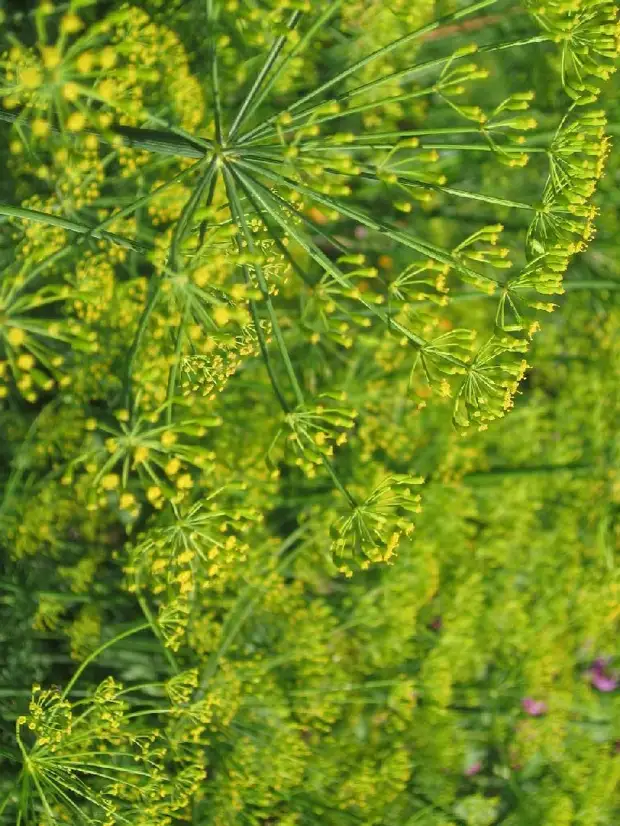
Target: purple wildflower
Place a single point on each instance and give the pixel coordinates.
(470, 771)
(601, 677)
(535, 708)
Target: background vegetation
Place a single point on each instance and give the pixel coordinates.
(309, 402)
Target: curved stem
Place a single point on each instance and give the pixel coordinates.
(93, 656)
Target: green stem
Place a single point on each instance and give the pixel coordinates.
(301, 45)
(153, 295)
(128, 633)
(172, 378)
(264, 288)
(535, 470)
(154, 627)
(190, 208)
(247, 106)
(134, 205)
(149, 140)
(237, 209)
(212, 15)
(395, 234)
(71, 226)
(382, 52)
(341, 488)
(264, 350)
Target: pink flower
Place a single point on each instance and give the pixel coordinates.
(535, 708)
(360, 232)
(470, 771)
(601, 677)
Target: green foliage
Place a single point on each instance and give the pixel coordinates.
(310, 491)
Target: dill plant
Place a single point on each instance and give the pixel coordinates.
(272, 275)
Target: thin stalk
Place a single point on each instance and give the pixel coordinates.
(402, 75)
(308, 149)
(360, 140)
(71, 226)
(535, 470)
(248, 104)
(400, 236)
(323, 261)
(128, 633)
(264, 350)
(154, 627)
(149, 140)
(134, 205)
(319, 23)
(264, 288)
(156, 282)
(151, 301)
(172, 378)
(382, 52)
(338, 484)
(190, 208)
(369, 173)
(212, 14)
(236, 207)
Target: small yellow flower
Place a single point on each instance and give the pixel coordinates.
(168, 438)
(76, 122)
(444, 389)
(239, 291)
(110, 481)
(127, 501)
(31, 77)
(84, 63)
(221, 316)
(50, 56)
(16, 337)
(40, 128)
(140, 454)
(107, 58)
(185, 482)
(107, 89)
(173, 467)
(70, 24)
(153, 494)
(25, 361)
(71, 91)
